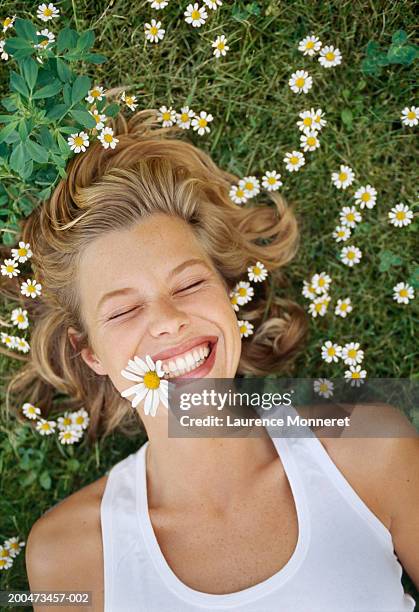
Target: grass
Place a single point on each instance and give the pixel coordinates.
(254, 125)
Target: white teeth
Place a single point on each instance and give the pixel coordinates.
(172, 366)
(190, 361)
(196, 355)
(180, 363)
(201, 351)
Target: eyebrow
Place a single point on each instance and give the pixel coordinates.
(128, 290)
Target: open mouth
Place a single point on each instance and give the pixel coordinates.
(188, 362)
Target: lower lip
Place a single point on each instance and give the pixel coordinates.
(202, 370)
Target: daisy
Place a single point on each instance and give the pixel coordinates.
(343, 307)
(410, 116)
(343, 178)
(213, 4)
(309, 290)
(294, 161)
(403, 293)
(31, 288)
(21, 344)
(8, 23)
(300, 81)
(80, 418)
(195, 15)
(341, 233)
(183, 119)
(153, 31)
(158, 4)
(130, 101)
(306, 120)
(321, 282)
(237, 193)
(331, 351)
(251, 186)
(45, 427)
(366, 196)
(271, 180)
(200, 122)
(79, 141)
(330, 56)
(4, 56)
(220, 47)
(65, 422)
(30, 411)
(309, 140)
(257, 273)
(8, 340)
(13, 546)
(323, 387)
(400, 215)
(350, 216)
(10, 268)
(6, 560)
(22, 253)
(309, 45)
(244, 292)
(107, 138)
(100, 118)
(69, 436)
(318, 118)
(150, 383)
(319, 305)
(245, 328)
(352, 354)
(167, 116)
(354, 374)
(50, 38)
(97, 93)
(47, 12)
(234, 300)
(350, 255)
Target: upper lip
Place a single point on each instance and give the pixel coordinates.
(182, 348)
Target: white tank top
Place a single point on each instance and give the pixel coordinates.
(344, 559)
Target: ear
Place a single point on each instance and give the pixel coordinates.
(87, 354)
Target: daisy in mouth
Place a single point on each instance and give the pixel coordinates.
(150, 384)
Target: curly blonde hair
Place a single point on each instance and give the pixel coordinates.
(150, 170)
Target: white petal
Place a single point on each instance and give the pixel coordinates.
(150, 363)
(155, 404)
(141, 364)
(148, 402)
(139, 397)
(133, 389)
(163, 395)
(130, 376)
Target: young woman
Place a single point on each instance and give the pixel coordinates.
(137, 252)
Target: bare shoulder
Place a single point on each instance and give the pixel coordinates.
(64, 547)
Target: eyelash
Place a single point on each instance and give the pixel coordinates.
(132, 309)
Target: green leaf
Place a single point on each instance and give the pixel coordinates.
(29, 478)
(57, 111)
(370, 66)
(67, 39)
(37, 153)
(84, 118)
(45, 480)
(30, 71)
(63, 70)
(48, 90)
(67, 129)
(9, 103)
(63, 144)
(414, 278)
(347, 117)
(372, 48)
(17, 158)
(80, 88)
(7, 130)
(22, 129)
(17, 44)
(8, 237)
(111, 110)
(401, 54)
(86, 40)
(389, 259)
(25, 29)
(46, 138)
(27, 171)
(7, 118)
(17, 83)
(399, 37)
(95, 58)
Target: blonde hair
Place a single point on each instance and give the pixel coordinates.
(108, 189)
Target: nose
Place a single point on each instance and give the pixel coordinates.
(167, 318)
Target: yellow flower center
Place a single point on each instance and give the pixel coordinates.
(184, 117)
(256, 270)
(97, 117)
(343, 306)
(352, 353)
(330, 56)
(7, 22)
(331, 351)
(403, 293)
(343, 176)
(356, 375)
(44, 43)
(350, 217)
(321, 282)
(400, 215)
(341, 233)
(153, 30)
(129, 100)
(79, 420)
(323, 387)
(319, 306)
(300, 82)
(95, 93)
(243, 329)
(196, 15)
(221, 45)
(166, 116)
(10, 268)
(47, 12)
(294, 160)
(20, 318)
(151, 380)
(249, 186)
(45, 426)
(4, 553)
(242, 291)
(271, 180)
(240, 193)
(307, 121)
(22, 252)
(67, 421)
(31, 289)
(233, 299)
(366, 196)
(350, 255)
(78, 141)
(411, 115)
(108, 137)
(310, 44)
(202, 122)
(311, 141)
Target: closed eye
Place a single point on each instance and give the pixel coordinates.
(191, 286)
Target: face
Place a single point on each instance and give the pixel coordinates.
(153, 290)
